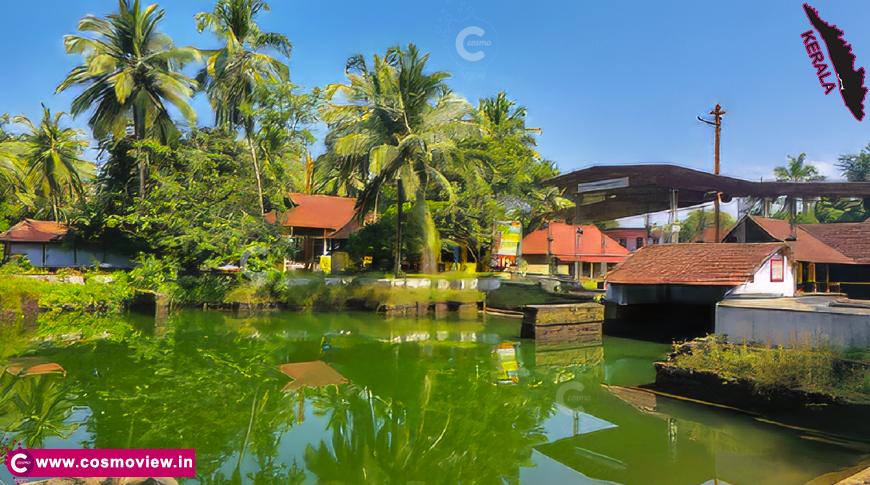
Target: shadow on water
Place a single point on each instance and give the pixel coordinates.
(663, 323)
(434, 401)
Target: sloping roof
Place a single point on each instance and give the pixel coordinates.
(30, 230)
(351, 227)
(591, 246)
(849, 238)
(319, 211)
(708, 235)
(695, 264)
(806, 247)
(311, 374)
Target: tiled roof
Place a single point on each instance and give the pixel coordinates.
(351, 227)
(695, 264)
(319, 211)
(806, 247)
(850, 238)
(30, 230)
(568, 245)
(708, 235)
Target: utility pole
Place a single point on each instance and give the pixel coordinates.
(717, 113)
(400, 195)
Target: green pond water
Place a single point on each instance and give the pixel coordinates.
(430, 401)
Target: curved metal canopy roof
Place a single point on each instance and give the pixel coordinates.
(614, 191)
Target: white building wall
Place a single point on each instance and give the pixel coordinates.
(58, 256)
(762, 284)
(33, 251)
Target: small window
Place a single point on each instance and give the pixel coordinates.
(622, 241)
(777, 269)
(639, 242)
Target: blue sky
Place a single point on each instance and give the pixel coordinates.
(608, 82)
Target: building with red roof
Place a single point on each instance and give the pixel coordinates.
(580, 251)
(49, 244)
(320, 223)
(701, 273)
(831, 257)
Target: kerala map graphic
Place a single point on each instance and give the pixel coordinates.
(851, 81)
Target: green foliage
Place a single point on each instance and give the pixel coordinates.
(798, 170)
(92, 308)
(151, 273)
(232, 73)
(496, 176)
(378, 240)
(50, 156)
(286, 119)
(19, 264)
(856, 168)
(799, 367)
(202, 289)
(130, 67)
(842, 210)
(398, 122)
(202, 211)
(699, 220)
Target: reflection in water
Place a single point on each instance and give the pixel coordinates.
(424, 404)
(34, 408)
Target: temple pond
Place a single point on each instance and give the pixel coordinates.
(429, 401)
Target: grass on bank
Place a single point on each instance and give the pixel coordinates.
(824, 369)
(92, 308)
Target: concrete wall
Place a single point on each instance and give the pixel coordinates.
(787, 327)
(761, 283)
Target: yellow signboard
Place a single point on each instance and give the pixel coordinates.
(326, 264)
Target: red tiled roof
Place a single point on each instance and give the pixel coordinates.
(351, 227)
(591, 246)
(806, 247)
(778, 228)
(30, 230)
(708, 235)
(319, 211)
(849, 238)
(695, 264)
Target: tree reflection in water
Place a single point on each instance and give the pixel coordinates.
(36, 407)
(429, 411)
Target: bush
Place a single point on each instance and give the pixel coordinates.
(19, 264)
(820, 369)
(200, 289)
(151, 273)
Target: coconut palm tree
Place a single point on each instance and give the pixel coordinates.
(400, 123)
(798, 170)
(232, 73)
(11, 170)
(131, 71)
(51, 157)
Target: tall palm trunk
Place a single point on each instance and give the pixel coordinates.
(431, 242)
(256, 171)
(53, 198)
(139, 129)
